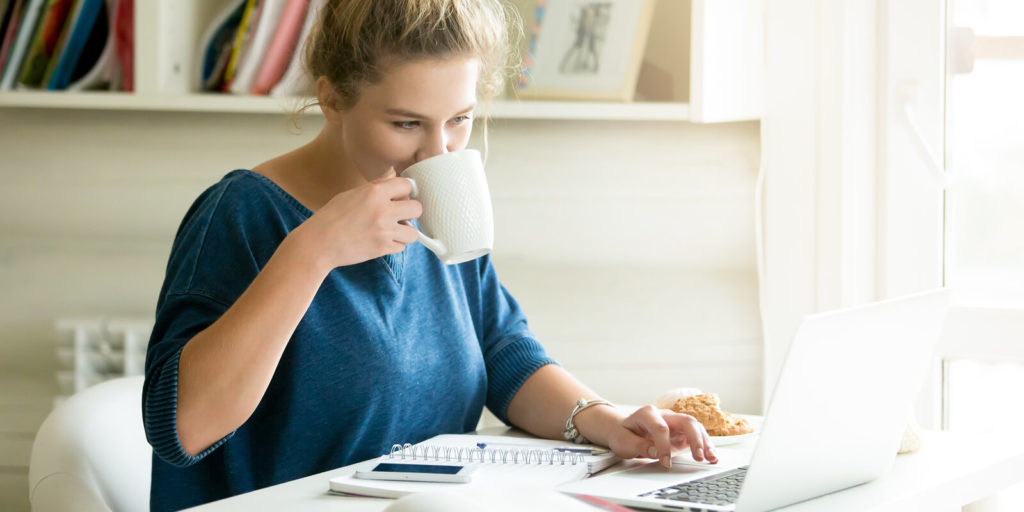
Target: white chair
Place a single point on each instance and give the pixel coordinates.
(91, 453)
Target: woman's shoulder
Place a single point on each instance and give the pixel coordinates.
(250, 184)
(242, 209)
(244, 194)
(231, 229)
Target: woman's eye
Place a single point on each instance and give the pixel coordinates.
(408, 125)
(461, 119)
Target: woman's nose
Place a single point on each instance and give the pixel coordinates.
(434, 145)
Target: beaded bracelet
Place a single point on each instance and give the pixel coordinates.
(571, 432)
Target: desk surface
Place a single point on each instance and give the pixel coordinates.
(950, 470)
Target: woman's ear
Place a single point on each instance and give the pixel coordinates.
(327, 98)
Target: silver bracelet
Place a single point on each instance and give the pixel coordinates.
(571, 432)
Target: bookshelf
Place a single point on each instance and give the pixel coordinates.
(708, 73)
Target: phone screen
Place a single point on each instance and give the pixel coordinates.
(387, 467)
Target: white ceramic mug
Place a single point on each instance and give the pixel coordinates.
(457, 222)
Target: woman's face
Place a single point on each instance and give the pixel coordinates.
(418, 110)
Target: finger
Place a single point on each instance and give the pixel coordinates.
(636, 443)
(396, 188)
(651, 422)
(709, 448)
(407, 209)
(642, 447)
(691, 429)
(679, 442)
(405, 234)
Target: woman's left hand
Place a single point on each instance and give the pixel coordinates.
(657, 433)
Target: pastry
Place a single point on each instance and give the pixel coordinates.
(734, 426)
(671, 396)
(707, 410)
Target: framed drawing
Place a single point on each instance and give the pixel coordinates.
(586, 49)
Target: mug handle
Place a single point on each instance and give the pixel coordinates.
(434, 245)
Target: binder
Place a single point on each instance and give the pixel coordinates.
(244, 27)
(124, 42)
(295, 81)
(94, 69)
(249, 63)
(80, 24)
(503, 462)
(6, 8)
(26, 31)
(44, 44)
(216, 45)
(17, 9)
(282, 47)
(10, 10)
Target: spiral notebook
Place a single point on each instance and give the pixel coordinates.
(503, 462)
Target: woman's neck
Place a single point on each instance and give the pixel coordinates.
(313, 173)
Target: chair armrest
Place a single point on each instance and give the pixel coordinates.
(64, 492)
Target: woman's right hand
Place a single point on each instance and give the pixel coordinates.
(362, 223)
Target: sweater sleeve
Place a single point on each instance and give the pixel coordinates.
(217, 252)
(180, 317)
(511, 351)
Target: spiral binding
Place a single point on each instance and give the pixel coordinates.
(492, 455)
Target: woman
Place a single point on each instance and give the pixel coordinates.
(300, 329)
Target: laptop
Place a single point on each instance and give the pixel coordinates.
(836, 418)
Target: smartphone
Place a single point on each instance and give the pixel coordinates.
(419, 472)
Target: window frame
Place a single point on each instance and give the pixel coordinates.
(853, 209)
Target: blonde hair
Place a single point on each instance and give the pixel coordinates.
(355, 41)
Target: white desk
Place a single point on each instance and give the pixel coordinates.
(951, 470)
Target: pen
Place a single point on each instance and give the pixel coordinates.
(583, 450)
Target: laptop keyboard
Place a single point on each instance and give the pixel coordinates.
(720, 489)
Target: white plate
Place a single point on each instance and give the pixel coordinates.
(727, 440)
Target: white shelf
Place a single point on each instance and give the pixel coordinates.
(168, 103)
(226, 103)
(639, 111)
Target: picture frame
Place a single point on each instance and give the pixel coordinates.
(585, 49)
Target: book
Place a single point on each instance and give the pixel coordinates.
(43, 46)
(296, 81)
(503, 462)
(11, 30)
(26, 32)
(266, 25)
(62, 42)
(281, 47)
(124, 42)
(79, 25)
(215, 46)
(240, 36)
(95, 67)
(6, 10)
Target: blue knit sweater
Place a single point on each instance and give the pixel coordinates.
(392, 350)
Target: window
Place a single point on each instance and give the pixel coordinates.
(985, 150)
(984, 212)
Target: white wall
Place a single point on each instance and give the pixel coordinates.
(629, 244)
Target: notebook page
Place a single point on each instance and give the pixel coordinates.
(489, 475)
